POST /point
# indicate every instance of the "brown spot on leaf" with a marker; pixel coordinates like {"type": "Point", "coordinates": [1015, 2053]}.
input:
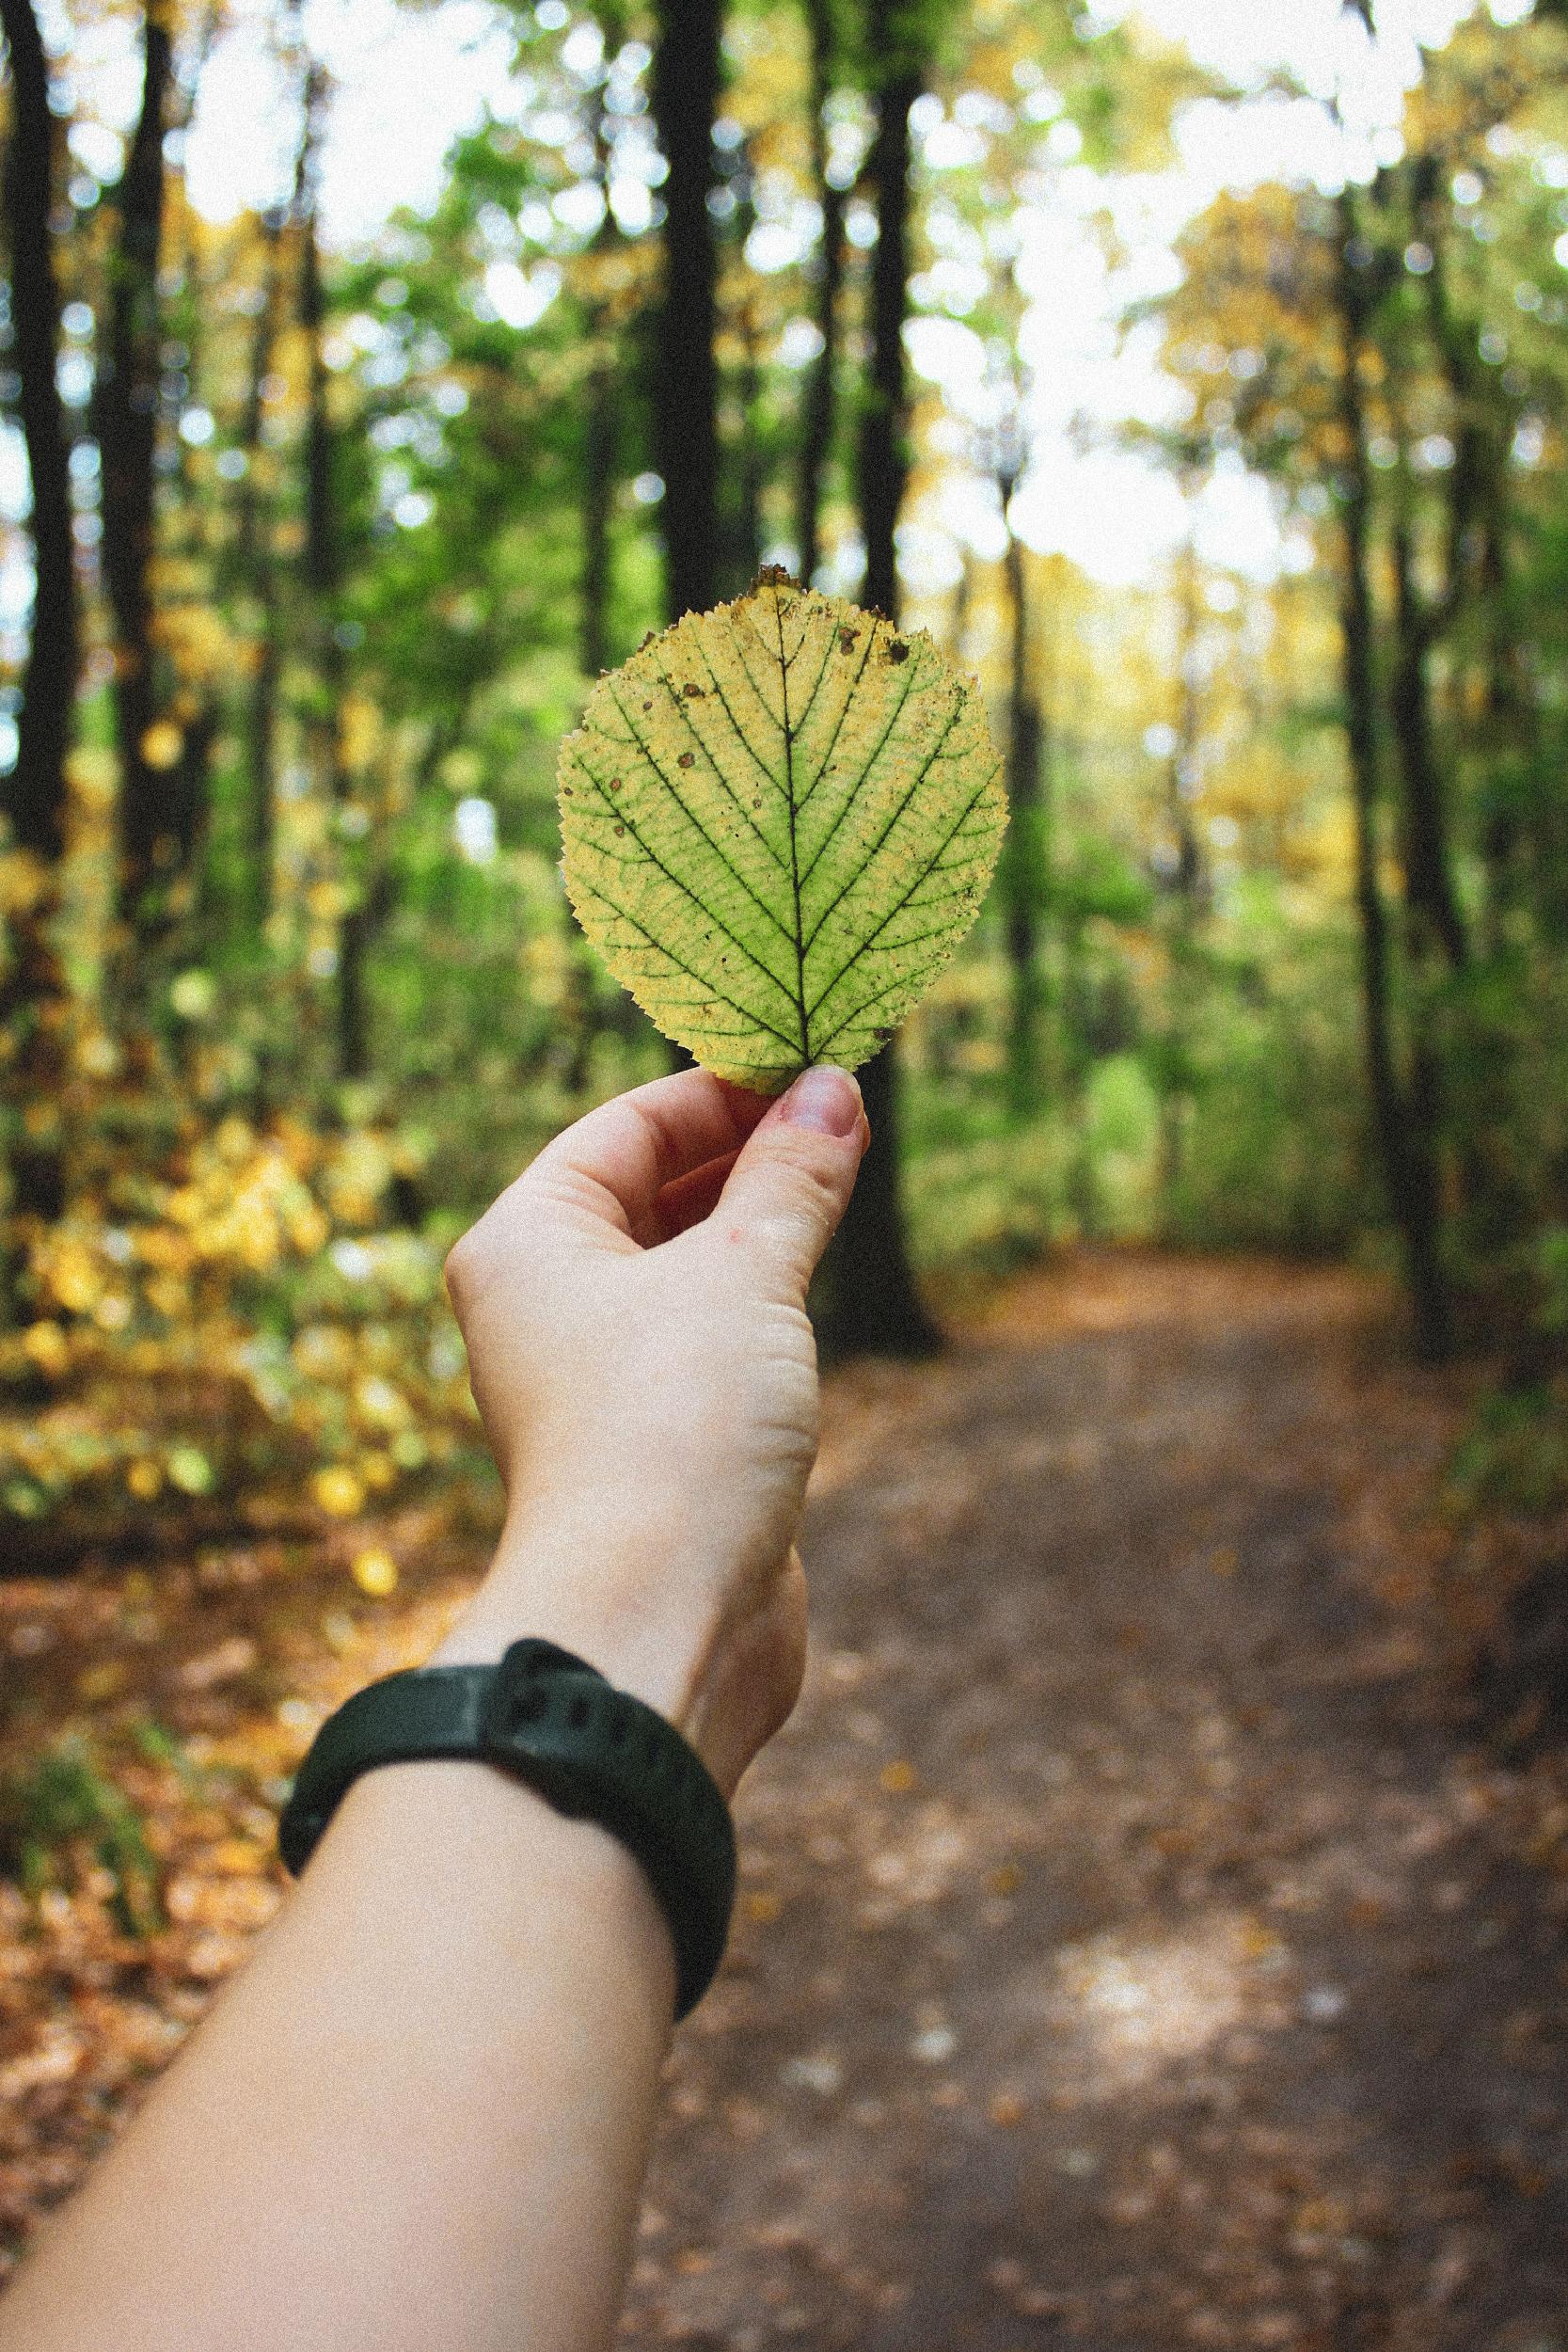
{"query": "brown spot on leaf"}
{"type": "Point", "coordinates": [898, 651]}
{"type": "Point", "coordinates": [694, 693]}
{"type": "Point", "coordinates": [847, 640]}
{"type": "Point", "coordinates": [687, 759]}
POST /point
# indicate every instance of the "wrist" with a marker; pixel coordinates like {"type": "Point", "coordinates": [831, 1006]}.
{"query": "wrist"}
{"type": "Point", "coordinates": [469, 1837]}
{"type": "Point", "coordinates": [593, 1753]}
{"type": "Point", "coordinates": [638, 1607]}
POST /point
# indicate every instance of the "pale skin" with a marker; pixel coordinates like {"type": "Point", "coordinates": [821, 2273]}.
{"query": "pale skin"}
{"type": "Point", "coordinates": [421, 2115]}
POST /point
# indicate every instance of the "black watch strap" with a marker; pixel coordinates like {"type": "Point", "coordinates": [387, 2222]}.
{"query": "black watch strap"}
{"type": "Point", "coordinates": [593, 1752]}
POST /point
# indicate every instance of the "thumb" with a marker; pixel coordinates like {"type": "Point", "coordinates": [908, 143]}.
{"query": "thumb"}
{"type": "Point", "coordinates": [792, 1181]}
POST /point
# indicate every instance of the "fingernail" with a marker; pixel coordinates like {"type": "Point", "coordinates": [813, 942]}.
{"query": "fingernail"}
{"type": "Point", "coordinates": [826, 1100]}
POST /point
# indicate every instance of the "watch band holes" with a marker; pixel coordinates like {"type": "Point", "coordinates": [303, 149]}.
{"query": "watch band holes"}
{"type": "Point", "coordinates": [528, 1707]}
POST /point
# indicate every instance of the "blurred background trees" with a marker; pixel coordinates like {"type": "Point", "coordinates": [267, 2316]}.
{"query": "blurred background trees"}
{"type": "Point", "coordinates": [311, 543]}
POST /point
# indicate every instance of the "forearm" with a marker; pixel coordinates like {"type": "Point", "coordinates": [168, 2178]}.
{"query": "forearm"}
{"type": "Point", "coordinates": [420, 2119]}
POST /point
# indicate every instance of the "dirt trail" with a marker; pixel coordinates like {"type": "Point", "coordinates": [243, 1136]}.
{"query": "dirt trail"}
{"type": "Point", "coordinates": [1135, 1949]}
{"type": "Point", "coordinates": [1132, 1953]}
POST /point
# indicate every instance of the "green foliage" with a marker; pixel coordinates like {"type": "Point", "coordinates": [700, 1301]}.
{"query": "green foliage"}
{"type": "Point", "coordinates": [779, 820]}
{"type": "Point", "coordinates": [1515, 1457]}
{"type": "Point", "coordinates": [394, 542]}
{"type": "Point", "coordinates": [65, 1810]}
{"type": "Point", "coordinates": [1273, 1151]}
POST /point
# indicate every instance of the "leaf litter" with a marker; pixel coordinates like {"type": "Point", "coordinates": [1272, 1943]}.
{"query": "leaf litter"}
{"type": "Point", "coordinates": [1203, 1990]}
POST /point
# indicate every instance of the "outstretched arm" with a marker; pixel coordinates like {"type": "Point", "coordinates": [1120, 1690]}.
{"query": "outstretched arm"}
{"type": "Point", "coordinates": [421, 2115]}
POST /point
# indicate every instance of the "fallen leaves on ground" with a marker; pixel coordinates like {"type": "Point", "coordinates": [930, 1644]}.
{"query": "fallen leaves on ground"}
{"type": "Point", "coordinates": [1137, 1946]}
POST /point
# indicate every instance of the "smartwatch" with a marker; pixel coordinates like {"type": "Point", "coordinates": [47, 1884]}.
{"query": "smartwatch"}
{"type": "Point", "coordinates": [593, 1753]}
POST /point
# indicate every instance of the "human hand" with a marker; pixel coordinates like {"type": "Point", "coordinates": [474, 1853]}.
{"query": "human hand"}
{"type": "Point", "coordinates": [634, 1310]}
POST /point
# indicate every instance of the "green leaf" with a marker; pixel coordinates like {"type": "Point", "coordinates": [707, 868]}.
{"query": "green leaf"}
{"type": "Point", "coordinates": [779, 820]}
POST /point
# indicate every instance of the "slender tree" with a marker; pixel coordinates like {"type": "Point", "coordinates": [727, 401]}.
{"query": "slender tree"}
{"type": "Point", "coordinates": [35, 791]}
{"type": "Point", "coordinates": [1472, 610]}
{"type": "Point", "coordinates": [960, 608]}
{"type": "Point", "coordinates": [749, 471]}
{"type": "Point", "coordinates": [883, 457]}
{"type": "Point", "coordinates": [743, 468]}
{"type": "Point", "coordinates": [1022, 862]}
{"type": "Point", "coordinates": [686, 83]}
{"type": "Point", "coordinates": [322, 554]}
{"type": "Point", "coordinates": [1185, 881]}
{"type": "Point", "coordinates": [600, 444]}
{"type": "Point", "coordinates": [126, 418]}
{"type": "Point", "coordinates": [324, 582]}
{"type": "Point", "coordinates": [1510, 736]}
{"type": "Point", "coordinates": [33, 794]}
{"type": "Point", "coordinates": [819, 404]}
{"type": "Point", "coordinates": [873, 1305]}
{"type": "Point", "coordinates": [1403, 1119]}
{"type": "Point", "coordinates": [602, 413]}
{"type": "Point", "coordinates": [256, 576]}
{"type": "Point", "coordinates": [1437, 926]}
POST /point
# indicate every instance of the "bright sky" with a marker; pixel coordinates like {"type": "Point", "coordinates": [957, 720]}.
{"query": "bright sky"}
{"type": "Point", "coordinates": [409, 80]}
{"type": "Point", "coordinates": [1117, 516]}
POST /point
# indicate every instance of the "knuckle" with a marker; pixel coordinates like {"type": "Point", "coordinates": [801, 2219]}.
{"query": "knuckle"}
{"type": "Point", "coordinates": [813, 1183]}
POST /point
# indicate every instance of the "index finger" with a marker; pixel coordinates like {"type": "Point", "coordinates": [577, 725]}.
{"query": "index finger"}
{"type": "Point", "coordinates": [629, 1148]}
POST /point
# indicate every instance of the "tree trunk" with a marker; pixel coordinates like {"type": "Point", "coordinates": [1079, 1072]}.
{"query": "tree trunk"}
{"type": "Point", "coordinates": [35, 791]}
{"type": "Point", "coordinates": [1429, 889]}
{"type": "Point", "coordinates": [1509, 743]}
{"type": "Point", "coordinates": [34, 795]}
{"type": "Point", "coordinates": [1021, 855]}
{"type": "Point", "coordinates": [322, 565]}
{"type": "Point", "coordinates": [686, 83]}
{"type": "Point", "coordinates": [817, 401]}
{"type": "Point", "coordinates": [750, 479]}
{"type": "Point", "coordinates": [1073, 1063]}
{"type": "Point", "coordinates": [258, 580]}
{"type": "Point", "coordinates": [1524, 836]}
{"type": "Point", "coordinates": [873, 1307]}
{"type": "Point", "coordinates": [960, 610]}
{"type": "Point", "coordinates": [601, 424]}
{"type": "Point", "coordinates": [1405, 1137]}
{"type": "Point", "coordinates": [1485, 1073]}
{"type": "Point", "coordinates": [884, 463]}
{"type": "Point", "coordinates": [601, 438]}
{"type": "Point", "coordinates": [741, 469]}
{"type": "Point", "coordinates": [1478, 555]}
{"type": "Point", "coordinates": [324, 573]}
{"type": "Point", "coordinates": [127, 418]}
{"type": "Point", "coordinates": [1187, 889]}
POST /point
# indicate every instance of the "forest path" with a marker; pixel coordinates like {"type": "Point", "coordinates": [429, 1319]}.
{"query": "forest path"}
{"type": "Point", "coordinates": [1135, 1950]}
{"type": "Point", "coordinates": [1131, 1952]}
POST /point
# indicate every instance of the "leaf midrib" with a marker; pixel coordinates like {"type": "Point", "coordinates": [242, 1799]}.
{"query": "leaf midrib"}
{"type": "Point", "coordinates": [794, 854]}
